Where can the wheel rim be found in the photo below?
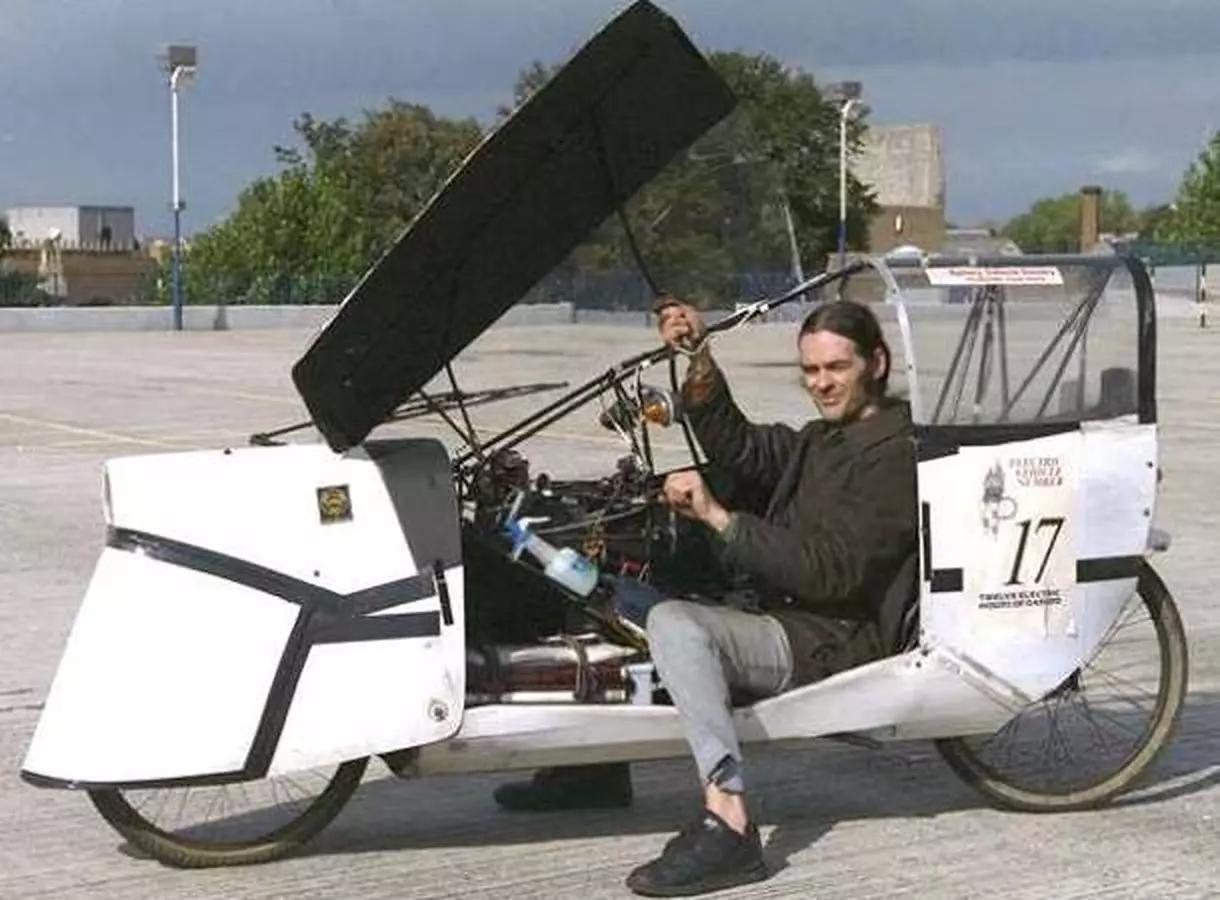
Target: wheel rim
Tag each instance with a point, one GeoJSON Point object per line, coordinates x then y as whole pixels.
{"type": "Point", "coordinates": [231, 817]}
{"type": "Point", "coordinates": [1099, 729]}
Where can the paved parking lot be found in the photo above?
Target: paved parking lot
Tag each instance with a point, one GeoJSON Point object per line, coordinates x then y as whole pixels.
{"type": "Point", "coordinates": [838, 822]}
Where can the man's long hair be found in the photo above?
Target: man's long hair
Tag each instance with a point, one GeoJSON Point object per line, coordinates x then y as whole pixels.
{"type": "Point", "coordinates": [858, 324]}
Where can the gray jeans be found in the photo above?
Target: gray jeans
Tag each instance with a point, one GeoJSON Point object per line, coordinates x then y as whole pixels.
{"type": "Point", "coordinates": [702, 654]}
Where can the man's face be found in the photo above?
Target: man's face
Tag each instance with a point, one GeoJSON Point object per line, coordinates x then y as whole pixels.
{"type": "Point", "coordinates": [836, 376]}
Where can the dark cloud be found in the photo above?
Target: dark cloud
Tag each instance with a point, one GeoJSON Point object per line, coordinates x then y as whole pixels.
{"type": "Point", "coordinates": [1033, 96]}
{"type": "Point", "coordinates": [962, 32]}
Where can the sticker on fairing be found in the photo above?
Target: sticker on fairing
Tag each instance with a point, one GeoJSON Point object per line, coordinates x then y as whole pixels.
{"type": "Point", "coordinates": [334, 504]}
{"type": "Point", "coordinates": [973, 276]}
{"type": "Point", "coordinates": [1020, 569]}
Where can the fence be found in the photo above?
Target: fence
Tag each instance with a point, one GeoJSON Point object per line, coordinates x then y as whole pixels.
{"type": "Point", "coordinates": [621, 290]}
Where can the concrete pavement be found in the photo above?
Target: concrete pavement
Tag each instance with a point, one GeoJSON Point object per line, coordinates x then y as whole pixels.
{"type": "Point", "coordinates": [838, 822]}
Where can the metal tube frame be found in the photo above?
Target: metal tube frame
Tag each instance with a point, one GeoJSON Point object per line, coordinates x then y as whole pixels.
{"type": "Point", "coordinates": [614, 376]}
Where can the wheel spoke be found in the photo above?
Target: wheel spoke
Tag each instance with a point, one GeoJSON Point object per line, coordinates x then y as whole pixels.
{"type": "Point", "coordinates": [1127, 683]}
{"type": "Point", "coordinates": [237, 822]}
{"type": "Point", "coordinates": [1110, 717]}
{"type": "Point", "coordinates": [1099, 735]}
{"type": "Point", "coordinates": [1088, 739]}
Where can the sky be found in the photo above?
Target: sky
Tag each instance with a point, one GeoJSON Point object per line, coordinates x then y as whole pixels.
{"type": "Point", "coordinates": [1033, 97]}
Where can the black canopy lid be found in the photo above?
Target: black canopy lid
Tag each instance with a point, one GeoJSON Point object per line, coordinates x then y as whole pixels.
{"type": "Point", "coordinates": [626, 104]}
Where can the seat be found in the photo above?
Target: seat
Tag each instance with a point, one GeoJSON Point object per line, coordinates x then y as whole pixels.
{"type": "Point", "coordinates": [1117, 396]}
{"type": "Point", "coordinates": [898, 614]}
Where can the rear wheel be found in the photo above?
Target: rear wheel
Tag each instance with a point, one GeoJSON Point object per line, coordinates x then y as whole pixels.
{"type": "Point", "coordinates": [1094, 735]}
{"type": "Point", "coordinates": [230, 824]}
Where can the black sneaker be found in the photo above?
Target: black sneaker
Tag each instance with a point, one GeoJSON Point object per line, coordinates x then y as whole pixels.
{"type": "Point", "coordinates": [707, 855]}
{"type": "Point", "coordinates": [604, 786]}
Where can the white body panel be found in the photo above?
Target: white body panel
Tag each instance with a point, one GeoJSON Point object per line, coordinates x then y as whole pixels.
{"type": "Point", "coordinates": [173, 667]}
{"type": "Point", "coordinates": [372, 697]}
{"type": "Point", "coordinates": [911, 696]}
{"type": "Point", "coordinates": [1087, 502]}
{"type": "Point", "coordinates": [169, 671]}
{"type": "Point", "coordinates": [259, 505]}
{"type": "Point", "coordinates": [165, 674]}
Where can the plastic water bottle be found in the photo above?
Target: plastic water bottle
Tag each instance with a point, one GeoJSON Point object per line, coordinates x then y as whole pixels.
{"type": "Point", "coordinates": [573, 570]}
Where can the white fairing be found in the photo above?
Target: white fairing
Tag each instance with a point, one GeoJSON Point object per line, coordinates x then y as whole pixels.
{"type": "Point", "coordinates": [1047, 559]}
{"type": "Point", "coordinates": [919, 694]}
{"type": "Point", "coordinates": [180, 669]}
{"type": "Point", "coordinates": [374, 696]}
{"type": "Point", "coordinates": [164, 674]}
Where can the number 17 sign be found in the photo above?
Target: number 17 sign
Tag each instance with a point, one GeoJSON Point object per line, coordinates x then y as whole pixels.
{"type": "Point", "coordinates": [1020, 569]}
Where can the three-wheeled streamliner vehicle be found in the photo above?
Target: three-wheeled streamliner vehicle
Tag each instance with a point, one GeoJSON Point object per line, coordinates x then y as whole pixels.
{"type": "Point", "coordinates": [266, 616]}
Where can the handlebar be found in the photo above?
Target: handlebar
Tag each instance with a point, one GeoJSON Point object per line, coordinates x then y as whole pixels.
{"type": "Point", "coordinates": [739, 317]}
{"type": "Point", "coordinates": [634, 365]}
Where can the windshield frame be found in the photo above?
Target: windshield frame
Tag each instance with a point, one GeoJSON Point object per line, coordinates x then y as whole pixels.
{"type": "Point", "coordinates": [891, 269]}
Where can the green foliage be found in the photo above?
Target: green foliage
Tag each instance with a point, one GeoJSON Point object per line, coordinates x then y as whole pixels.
{"type": "Point", "coordinates": [798, 131]}
{"type": "Point", "coordinates": [348, 191]}
{"type": "Point", "coordinates": [529, 80]}
{"type": "Point", "coordinates": [1154, 221]}
{"type": "Point", "coordinates": [717, 212]}
{"type": "Point", "coordinates": [17, 288]}
{"type": "Point", "coordinates": [307, 234]}
{"type": "Point", "coordinates": [1194, 217]}
{"type": "Point", "coordinates": [21, 289]}
{"type": "Point", "coordinates": [1052, 224]}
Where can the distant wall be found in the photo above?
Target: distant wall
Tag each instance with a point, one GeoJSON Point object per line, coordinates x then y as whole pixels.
{"type": "Point", "coordinates": [93, 275]}
{"type": "Point", "coordinates": [219, 318]}
{"type": "Point", "coordinates": [1172, 300]}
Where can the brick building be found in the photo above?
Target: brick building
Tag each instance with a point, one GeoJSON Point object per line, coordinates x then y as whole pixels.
{"type": "Point", "coordinates": [80, 254]}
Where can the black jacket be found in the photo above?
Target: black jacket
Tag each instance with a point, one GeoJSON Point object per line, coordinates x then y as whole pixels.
{"type": "Point", "coordinates": [838, 534]}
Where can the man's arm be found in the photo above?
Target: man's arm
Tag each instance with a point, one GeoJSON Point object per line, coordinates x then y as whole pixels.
{"type": "Point", "coordinates": [756, 454]}
{"type": "Point", "coordinates": [830, 556]}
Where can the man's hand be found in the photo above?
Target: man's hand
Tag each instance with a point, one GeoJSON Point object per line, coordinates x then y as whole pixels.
{"type": "Point", "coordinates": [681, 325]}
{"type": "Point", "coordinates": [688, 495]}
{"type": "Point", "coordinates": [683, 328]}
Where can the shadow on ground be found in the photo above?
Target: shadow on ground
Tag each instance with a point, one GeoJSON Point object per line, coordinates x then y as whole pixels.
{"type": "Point", "coordinates": [798, 796]}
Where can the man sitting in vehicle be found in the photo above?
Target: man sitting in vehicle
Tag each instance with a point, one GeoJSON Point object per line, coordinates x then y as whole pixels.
{"type": "Point", "coordinates": [830, 557]}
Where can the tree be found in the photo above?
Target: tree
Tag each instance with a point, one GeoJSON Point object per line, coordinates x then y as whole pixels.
{"type": "Point", "coordinates": [341, 199]}
{"type": "Point", "coordinates": [719, 209]}
{"type": "Point", "coordinates": [1154, 221]}
{"type": "Point", "coordinates": [17, 288]}
{"type": "Point", "coordinates": [798, 131]}
{"type": "Point", "coordinates": [1195, 214]}
{"type": "Point", "coordinates": [347, 191]}
{"type": "Point", "coordinates": [1052, 224]}
{"type": "Point", "coordinates": [529, 80]}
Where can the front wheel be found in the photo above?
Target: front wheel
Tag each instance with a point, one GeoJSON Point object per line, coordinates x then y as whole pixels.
{"type": "Point", "coordinates": [202, 826]}
{"type": "Point", "coordinates": [1108, 707]}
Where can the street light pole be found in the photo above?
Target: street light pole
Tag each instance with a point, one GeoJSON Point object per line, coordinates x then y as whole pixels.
{"type": "Point", "coordinates": [849, 94]}
{"type": "Point", "coordinates": [844, 115]}
{"type": "Point", "coordinates": [176, 199]}
{"type": "Point", "coordinates": [179, 60]}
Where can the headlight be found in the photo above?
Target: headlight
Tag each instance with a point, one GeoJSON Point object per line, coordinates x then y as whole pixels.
{"type": "Point", "coordinates": [659, 406]}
